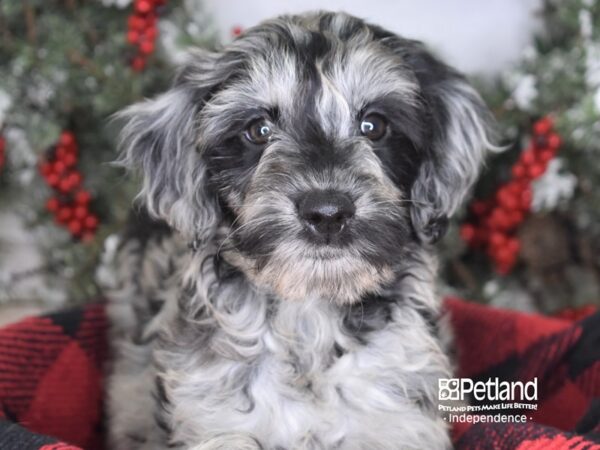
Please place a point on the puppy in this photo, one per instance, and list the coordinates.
(283, 296)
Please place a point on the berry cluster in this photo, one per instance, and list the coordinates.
(142, 30)
(493, 222)
(2, 152)
(70, 203)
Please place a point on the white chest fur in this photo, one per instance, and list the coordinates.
(290, 375)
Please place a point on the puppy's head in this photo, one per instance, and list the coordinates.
(322, 145)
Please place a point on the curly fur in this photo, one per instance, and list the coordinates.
(261, 338)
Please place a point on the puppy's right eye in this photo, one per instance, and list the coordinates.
(259, 132)
(373, 126)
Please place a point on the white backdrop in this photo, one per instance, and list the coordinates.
(477, 36)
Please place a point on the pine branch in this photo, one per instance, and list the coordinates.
(77, 58)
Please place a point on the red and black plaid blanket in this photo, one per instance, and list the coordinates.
(51, 378)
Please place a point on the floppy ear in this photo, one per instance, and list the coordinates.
(160, 139)
(460, 129)
(460, 140)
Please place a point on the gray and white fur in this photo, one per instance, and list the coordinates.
(311, 163)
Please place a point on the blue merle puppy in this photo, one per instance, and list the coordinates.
(309, 165)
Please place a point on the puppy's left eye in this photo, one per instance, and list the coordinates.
(259, 132)
(373, 126)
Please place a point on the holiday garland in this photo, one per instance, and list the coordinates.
(142, 30)
(69, 203)
(493, 222)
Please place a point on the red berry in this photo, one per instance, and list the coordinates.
(64, 214)
(528, 157)
(518, 171)
(497, 239)
(59, 167)
(526, 198)
(150, 33)
(53, 180)
(236, 31)
(80, 212)
(143, 6)
(67, 139)
(499, 219)
(507, 199)
(506, 256)
(75, 179)
(515, 187)
(133, 37)
(150, 21)
(65, 185)
(543, 126)
(516, 218)
(514, 245)
(138, 63)
(136, 23)
(536, 170)
(91, 222)
(52, 204)
(546, 155)
(75, 227)
(70, 160)
(82, 197)
(61, 152)
(71, 150)
(554, 141)
(467, 232)
(147, 47)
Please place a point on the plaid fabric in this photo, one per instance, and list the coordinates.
(50, 381)
(564, 354)
(51, 384)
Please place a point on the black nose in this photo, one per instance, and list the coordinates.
(326, 212)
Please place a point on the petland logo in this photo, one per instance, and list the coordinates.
(493, 389)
